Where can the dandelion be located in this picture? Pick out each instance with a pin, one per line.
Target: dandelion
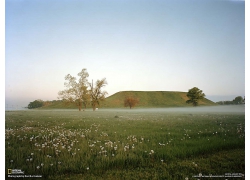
(11, 161)
(186, 178)
(31, 154)
(27, 160)
(51, 164)
(42, 164)
(87, 168)
(38, 167)
(162, 160)
(152, 151)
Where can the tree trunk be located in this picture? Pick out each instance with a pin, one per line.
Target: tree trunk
(80, 106)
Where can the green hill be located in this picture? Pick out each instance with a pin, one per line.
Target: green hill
(146, 99)
(152, 99)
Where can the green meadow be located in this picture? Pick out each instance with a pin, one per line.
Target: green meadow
(125, 144)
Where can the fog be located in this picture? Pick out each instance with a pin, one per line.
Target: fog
(207, 109)
(187, 110)
(228, 109)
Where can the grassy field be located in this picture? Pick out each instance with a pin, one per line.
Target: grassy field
(124, 144)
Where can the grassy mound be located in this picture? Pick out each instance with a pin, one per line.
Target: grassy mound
(146, 99)
(152, 99)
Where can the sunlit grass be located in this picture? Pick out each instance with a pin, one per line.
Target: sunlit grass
(124, 144)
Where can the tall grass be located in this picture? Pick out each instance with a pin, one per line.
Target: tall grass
(98, 145)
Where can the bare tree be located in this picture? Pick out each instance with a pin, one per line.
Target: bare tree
(96, 93)
(130, 101)
(76, 92)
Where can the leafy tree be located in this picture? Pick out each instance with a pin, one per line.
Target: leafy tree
(238, 100)
(96, 93)
(76, 92)
(194, 95)
(35, 104)
(130, 101)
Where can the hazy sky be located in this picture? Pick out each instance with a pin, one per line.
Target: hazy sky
(147, 45)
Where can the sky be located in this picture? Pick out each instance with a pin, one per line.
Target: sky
(140, 45)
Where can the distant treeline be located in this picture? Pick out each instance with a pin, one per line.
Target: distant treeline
(237, 100)
(39, 103)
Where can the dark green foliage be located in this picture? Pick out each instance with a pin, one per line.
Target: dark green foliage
(35, 104)
(237, 100)
(195, 95)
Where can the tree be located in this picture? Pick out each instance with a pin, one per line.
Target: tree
(35, 104)
(194, 95)
(96, 93)
(130, 101)
(238, 100)
(76, 92)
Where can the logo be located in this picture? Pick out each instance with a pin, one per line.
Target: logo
(18, 173)
(15, 171)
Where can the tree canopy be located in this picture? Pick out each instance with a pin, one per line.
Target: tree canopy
(194, 95)
(35, 104)
(82, 92)
(130, 101)
(96, 93)
(76, 92)
(238, 100)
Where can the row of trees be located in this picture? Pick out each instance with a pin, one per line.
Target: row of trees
(237, 100)
(81, 92)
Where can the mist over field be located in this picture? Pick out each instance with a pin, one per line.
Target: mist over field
(208, 109)
(229, 109)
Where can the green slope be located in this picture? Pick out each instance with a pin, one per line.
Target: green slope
(152, 99)
(146, 99)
